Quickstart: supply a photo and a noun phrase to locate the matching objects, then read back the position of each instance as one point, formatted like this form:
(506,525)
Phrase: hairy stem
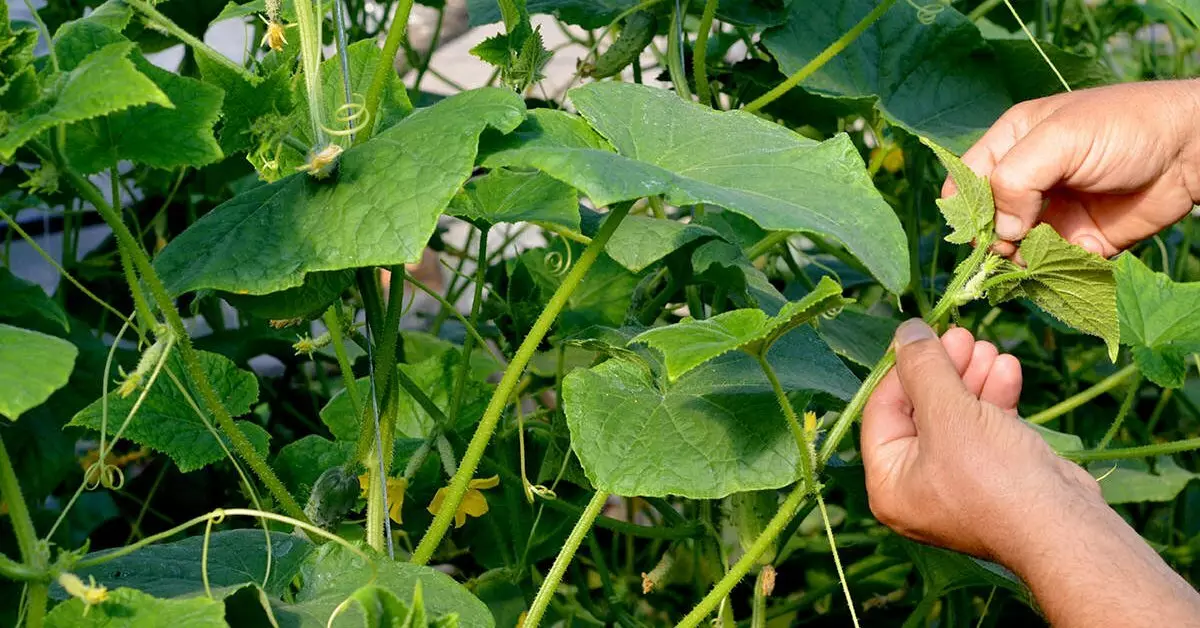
(385,67)
(565,555)
(1143,451)
(161,21)
(333,323)
(187,352)
(1084,396)
(700,54)
(1126,406)
(464,369)
(491,416)
(675,36)
(821,59)
(18,511)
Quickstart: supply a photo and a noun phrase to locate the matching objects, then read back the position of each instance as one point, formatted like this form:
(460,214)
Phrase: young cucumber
(638,32)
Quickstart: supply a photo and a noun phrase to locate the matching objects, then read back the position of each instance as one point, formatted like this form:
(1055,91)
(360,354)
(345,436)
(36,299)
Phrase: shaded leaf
(167,422)
(691,154)
(971,212)
(585,13)
(380,209)
(503,195)
(1132,482)
(32,366)
(300,463)
(857,336)
(1028,77)
(129,608)
(640,240)
(1068,282)
(1158,319)
(306,301)
(19,298)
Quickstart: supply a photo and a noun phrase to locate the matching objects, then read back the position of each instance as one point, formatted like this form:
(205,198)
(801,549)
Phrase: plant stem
(565,555)
(187,352)
(464,369)
(334,324)
(491,416)
(983,9)
(675,38)
(770,241)
(700,54)
(836,433)
(386,65)
(1084,396)
(1126,405)
(13,570)
(1144,451)
(179,33)
(758,606)
(18,512)
(721,589)
(38,600)
(821,59)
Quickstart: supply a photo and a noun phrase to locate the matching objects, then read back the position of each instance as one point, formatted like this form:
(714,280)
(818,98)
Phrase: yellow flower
(473,502)
(90,594)
(274,37)
(395,494)
(893,159)
(810,423)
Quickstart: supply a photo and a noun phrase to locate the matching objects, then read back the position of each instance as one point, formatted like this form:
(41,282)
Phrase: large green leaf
(926,78)
(380,208)
(130,608)
(235,558)
(32,366)
(1068,282)
(717,430)
(754,12)
(602,298)
(167,422)
(105,81)
(1132,482)
(971,211)
(691,342)
(1158,319)
(19,298)
(1190,8)
(692,154)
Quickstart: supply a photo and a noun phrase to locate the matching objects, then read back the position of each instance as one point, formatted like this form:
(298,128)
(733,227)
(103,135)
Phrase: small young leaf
(640,240)
(32,366)
(246,101)
(1158,319)
(1068,282)
(130,608)
(166,421)
(971,211)
(106,81)
(690,343)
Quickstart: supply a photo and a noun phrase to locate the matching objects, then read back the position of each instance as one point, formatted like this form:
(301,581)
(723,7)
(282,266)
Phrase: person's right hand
(1106,167)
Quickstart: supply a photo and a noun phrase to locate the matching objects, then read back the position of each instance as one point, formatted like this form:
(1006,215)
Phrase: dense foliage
(633,401)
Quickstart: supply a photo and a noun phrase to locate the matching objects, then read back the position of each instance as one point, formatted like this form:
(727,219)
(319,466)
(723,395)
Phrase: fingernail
(1090,244)
(913,330)
(1008,226)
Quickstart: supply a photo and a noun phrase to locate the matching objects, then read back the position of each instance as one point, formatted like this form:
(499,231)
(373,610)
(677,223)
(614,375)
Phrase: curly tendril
(354,115)
(927,13)
(558,263)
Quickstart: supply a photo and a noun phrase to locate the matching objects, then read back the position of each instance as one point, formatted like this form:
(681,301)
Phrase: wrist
(1189,151)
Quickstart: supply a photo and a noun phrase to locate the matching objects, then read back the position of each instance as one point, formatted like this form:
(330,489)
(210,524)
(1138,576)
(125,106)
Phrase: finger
(983,354)
(959,344)
(887,416)
(983,156)
(926,371)
(1033,166)
(1003,386)
(1004,249)
(1071,219)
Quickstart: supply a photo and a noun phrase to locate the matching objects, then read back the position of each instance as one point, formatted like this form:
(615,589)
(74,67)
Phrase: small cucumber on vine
(638,32)
(333,495)
(750,512)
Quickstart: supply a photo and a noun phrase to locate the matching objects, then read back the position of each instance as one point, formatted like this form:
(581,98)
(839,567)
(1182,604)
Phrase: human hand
(947,460)
(1106,167)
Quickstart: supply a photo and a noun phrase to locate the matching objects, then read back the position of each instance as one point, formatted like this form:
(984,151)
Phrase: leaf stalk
(565,555)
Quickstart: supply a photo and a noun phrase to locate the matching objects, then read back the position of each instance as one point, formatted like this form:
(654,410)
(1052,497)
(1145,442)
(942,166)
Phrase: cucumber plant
(326,349)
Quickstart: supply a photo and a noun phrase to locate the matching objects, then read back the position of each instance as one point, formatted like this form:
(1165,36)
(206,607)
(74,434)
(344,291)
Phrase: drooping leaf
(235,558)
(1068,282)
(943,571)
(167,422)
(32,366)
(306,301)
(692,154)
(504,195)
(1158,320)
(925,78)
(970,213)
(1132,482)
(20,298)
(380,208)
(691,342)
(640,241)
(716,430)
(130,608)
(105,81)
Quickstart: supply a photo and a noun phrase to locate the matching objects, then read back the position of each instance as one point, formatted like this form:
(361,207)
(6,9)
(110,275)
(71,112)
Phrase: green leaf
(166,422)
(1060,442)
(859,337)
(504,195)
(246,101)
(690,343)
(926,79)
(106,81)
(19,298)
(32,366)
(585,13)
(1132,482)
(1158,319)
(726,266)
(691,154)
(130,608)
(300,463)
(235,558)
(1069,283)
(306,301)
(640,240)
(754,12)
(334,574)
(1190,8)
(970,213)
(716,430)
(1027,76)
(362,57)
(379,210)
(157,136)
(234,10)
(943,571)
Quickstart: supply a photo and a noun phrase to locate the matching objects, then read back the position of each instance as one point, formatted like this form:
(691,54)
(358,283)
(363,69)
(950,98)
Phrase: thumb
(1032,167)
(926,371)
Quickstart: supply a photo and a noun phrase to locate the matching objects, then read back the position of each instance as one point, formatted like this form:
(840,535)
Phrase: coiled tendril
(352,114)
(558,263)
(927,13)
